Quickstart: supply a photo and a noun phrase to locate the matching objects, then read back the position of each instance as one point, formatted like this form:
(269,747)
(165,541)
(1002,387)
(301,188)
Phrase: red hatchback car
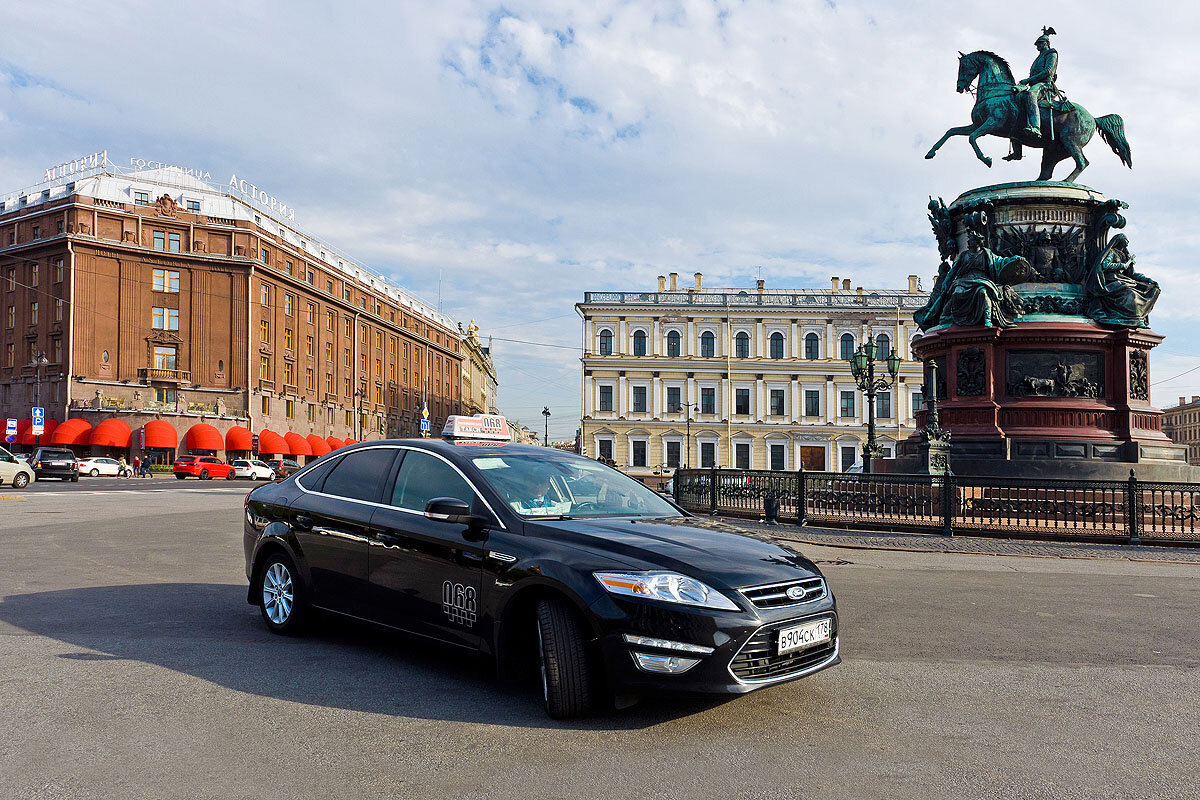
(203,467)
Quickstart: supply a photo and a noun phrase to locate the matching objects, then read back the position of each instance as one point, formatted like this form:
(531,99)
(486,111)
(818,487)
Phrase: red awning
(334,442)
(349,442)
(160,433)
(319,446)
(203,436)
(112,433)
(271,443)
(73,432)
(25,431)
(297,444)
(238,438)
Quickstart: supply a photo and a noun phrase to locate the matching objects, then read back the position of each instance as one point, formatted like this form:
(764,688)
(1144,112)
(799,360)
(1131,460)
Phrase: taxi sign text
(480,426)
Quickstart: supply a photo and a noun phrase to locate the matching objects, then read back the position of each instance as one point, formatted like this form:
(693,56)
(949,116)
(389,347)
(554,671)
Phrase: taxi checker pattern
(555,565)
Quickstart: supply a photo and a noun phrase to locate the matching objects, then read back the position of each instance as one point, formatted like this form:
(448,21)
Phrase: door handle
(304,522)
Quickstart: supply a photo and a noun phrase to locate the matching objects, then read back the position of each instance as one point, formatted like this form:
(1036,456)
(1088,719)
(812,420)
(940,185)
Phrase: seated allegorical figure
(1116,293)
(978,287)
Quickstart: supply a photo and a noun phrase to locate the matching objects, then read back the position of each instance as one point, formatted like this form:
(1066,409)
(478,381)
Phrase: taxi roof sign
(481,426)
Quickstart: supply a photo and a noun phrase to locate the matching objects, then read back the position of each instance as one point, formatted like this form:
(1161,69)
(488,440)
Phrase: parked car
(283,467)
(203,467)
(103,466)
(253,469)
(13,471)
(55,462)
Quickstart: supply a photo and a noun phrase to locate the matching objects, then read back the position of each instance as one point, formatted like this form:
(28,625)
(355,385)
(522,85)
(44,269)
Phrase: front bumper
(744,656)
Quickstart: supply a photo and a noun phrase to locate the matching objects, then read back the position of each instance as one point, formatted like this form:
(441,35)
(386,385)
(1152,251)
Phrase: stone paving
(974,545)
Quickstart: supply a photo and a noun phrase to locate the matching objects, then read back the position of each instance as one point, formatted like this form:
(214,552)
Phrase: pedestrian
(146,467)
(126,472)
(137,466)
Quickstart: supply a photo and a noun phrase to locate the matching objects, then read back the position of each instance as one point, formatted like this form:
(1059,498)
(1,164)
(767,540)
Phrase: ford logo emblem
(796,592)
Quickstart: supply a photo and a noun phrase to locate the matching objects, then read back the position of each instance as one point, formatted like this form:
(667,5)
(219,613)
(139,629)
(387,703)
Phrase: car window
(314,479)
(360,475)
(423,477)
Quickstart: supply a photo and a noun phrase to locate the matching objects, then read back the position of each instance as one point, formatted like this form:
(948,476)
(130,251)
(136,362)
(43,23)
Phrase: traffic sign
(254,443)
(424,426)
(10,431)
(425,412)
(39,421)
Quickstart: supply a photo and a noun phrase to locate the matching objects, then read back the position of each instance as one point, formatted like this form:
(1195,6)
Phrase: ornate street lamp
(862,367)
(546,414)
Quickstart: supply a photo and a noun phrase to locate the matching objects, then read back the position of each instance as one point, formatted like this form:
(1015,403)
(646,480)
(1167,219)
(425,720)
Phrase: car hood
(709,550)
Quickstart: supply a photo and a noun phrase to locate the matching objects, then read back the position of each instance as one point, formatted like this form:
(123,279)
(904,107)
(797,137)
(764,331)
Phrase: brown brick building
(154,295)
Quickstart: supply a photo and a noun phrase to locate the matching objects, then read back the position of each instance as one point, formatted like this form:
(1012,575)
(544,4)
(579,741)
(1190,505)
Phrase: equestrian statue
(1031,112)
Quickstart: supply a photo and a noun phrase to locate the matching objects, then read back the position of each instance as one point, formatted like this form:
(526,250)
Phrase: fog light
(673,665)
(667,644)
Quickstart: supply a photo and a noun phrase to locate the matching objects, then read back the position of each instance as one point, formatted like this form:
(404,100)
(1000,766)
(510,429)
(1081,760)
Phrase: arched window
(606,342)
(708,345)
(741,347)
(776,345)
(812,347)
(639,343)
(673,343)
(847,347)
(883,347)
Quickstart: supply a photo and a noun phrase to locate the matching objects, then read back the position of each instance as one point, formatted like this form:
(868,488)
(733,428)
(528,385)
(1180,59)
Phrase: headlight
(669,587)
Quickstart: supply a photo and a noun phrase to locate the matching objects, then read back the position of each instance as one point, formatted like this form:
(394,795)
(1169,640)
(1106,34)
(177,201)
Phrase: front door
(812,458)
(425,575)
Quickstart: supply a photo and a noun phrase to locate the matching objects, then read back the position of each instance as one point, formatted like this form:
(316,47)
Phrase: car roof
(463,449)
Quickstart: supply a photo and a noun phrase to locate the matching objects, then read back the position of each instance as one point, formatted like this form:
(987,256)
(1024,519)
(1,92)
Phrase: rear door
(331,520)
(425,575)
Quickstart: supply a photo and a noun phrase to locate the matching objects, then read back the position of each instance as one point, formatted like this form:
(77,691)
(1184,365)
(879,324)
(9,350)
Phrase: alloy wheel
(278,593)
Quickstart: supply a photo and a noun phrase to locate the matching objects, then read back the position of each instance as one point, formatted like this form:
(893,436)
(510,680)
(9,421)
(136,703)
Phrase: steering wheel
(584,506)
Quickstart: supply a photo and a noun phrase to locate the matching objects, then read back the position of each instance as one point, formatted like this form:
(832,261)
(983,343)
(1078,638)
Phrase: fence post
(675,480)
(712,491)
(1133,508)
(801,500)
(948,504)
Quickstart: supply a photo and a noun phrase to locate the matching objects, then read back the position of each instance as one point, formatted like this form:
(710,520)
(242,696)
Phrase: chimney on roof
(858,290)
(912,283)
(674,281)
(1182,401)
(1196,398)
(699,281)
(761,285)
(662,283)
(846,285)
(834,279)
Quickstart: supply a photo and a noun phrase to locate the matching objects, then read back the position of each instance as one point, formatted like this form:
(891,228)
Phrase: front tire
(566,667)
(20,480)
(230,476)
(281,596)
(74,479)
(203,474)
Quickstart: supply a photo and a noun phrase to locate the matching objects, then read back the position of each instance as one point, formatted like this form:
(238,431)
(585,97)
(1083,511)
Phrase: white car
(103,466)
(254,470)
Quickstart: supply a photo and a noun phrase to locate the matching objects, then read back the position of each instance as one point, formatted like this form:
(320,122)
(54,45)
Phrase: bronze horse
(997,112)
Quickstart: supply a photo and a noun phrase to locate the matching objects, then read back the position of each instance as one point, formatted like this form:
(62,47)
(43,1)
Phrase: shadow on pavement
(210,632)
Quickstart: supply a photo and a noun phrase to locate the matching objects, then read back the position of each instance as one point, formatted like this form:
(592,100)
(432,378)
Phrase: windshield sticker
(490,463)
(458,603)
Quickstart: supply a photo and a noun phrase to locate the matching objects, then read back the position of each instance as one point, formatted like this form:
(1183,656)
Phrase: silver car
(13,471)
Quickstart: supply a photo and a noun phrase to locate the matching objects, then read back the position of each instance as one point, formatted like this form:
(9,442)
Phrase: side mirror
(448,509)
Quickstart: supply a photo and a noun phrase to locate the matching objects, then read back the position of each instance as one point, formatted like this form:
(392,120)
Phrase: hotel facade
(150,310)
(761,373)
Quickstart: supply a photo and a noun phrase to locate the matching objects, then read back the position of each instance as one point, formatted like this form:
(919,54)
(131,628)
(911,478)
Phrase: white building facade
(762,374)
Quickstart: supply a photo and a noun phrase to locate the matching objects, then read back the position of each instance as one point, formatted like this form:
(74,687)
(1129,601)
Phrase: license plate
(809,634)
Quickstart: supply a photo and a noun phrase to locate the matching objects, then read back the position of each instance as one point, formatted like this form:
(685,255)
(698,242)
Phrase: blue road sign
(10,431)
(39,421)
(424,426)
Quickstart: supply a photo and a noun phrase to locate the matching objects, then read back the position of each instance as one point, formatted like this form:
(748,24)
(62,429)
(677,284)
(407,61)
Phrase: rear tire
(74,479)
(180,477)
(95,473)
(281,597)
(566,667)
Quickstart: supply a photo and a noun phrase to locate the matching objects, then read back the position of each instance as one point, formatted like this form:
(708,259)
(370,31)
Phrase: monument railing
(1130,511)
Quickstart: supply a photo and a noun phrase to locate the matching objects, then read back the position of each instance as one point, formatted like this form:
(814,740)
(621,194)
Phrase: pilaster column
(622,391)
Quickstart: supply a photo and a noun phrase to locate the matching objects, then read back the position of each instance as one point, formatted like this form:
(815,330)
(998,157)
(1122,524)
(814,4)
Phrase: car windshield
(568,486)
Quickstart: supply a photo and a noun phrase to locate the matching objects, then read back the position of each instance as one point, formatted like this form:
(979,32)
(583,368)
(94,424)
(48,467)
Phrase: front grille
(758,661)
(774,595)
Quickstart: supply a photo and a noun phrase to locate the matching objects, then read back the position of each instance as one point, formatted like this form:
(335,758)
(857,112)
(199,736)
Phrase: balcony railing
(155,375)
(893,300)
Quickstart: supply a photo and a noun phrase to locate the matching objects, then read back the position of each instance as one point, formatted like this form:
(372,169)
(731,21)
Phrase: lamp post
(546,414)
(687,444)
(359,394)
(862,366)
(38,361)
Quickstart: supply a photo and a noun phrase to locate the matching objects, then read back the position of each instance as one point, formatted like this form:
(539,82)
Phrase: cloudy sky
(529,151)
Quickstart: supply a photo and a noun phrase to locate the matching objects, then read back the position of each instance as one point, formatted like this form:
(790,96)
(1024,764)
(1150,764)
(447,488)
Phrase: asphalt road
(131,666)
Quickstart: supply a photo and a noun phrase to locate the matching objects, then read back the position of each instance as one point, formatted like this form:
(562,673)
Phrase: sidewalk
(966,545)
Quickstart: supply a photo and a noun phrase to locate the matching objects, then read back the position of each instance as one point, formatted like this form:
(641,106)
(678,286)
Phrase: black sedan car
(549,562)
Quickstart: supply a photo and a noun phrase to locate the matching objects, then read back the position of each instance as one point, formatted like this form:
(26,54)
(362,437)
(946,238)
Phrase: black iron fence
(1119,511)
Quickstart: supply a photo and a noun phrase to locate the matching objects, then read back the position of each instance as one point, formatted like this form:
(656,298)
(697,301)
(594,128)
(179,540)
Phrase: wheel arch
(514,635)
(273,542)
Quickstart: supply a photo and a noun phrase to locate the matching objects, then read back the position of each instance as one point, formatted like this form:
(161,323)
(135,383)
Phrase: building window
(673,343)
(708,345)
(741,398)
(193,206)
(12,279)
(708,401)
(34,272)
(58,310)
(883,347)
(883,405)
(288,339)
(708,454)
(329,351)
(346,388)
(918,401)
(777,402)
(812,347)
(311,412)
(160,240)
(777,345)
(266,405)
(673,457)
(165,397)
(289,408)
(346,357)
(812,402)
(329,383)
(56,351)
(639,343)
(639,453)
(348,328)
(849,456)
(847,347)
(166,280)
(164,357)
(330,320)
(639,398)
(287,304)
(60,225)
(846,410)
(264,295)
(265,255)
(778,457)
(173,242)
(37,232)
(328,287)
(309,277)
(165,319)
(741,347)
(33,313)
(673,401)
(606,398)
(606,449)
(264,368)
(264,330)
(289,373)
(9,353)
(141,198)
(10,317)
(310,346)
(741,455)
(310,313)
(58,271)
